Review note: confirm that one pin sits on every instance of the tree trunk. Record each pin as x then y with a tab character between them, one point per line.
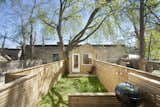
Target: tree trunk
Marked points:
23	52
141	37
31	42
23	57
149	47
60	36
24	48
3	44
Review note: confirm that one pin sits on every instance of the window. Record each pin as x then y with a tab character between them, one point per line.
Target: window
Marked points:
56	57
87	59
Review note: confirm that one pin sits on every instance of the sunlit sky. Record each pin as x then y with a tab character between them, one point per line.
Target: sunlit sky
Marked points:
9	21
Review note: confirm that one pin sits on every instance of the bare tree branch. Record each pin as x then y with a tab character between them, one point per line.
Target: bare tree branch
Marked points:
48	23
153	13
80	34
91	33
71	15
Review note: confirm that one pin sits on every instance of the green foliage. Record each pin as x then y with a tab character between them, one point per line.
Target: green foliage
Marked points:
32	20
41	13
45	30
101	3
155	43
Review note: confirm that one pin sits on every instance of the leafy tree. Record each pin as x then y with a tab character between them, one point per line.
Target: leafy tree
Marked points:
68	17
153	44
26	21
141	14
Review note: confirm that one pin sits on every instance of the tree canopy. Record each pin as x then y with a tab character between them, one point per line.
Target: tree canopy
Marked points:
75	21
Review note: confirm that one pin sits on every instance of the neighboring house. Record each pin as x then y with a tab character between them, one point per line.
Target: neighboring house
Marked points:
49	53
12	53
81	58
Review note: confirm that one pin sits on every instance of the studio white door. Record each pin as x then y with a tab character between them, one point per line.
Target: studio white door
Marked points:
75	62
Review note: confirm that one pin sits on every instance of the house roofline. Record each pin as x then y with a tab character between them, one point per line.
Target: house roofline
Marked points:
10	49
94	45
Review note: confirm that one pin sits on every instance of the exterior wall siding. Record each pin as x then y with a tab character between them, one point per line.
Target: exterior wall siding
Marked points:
84	68
45	53
110	53
103	53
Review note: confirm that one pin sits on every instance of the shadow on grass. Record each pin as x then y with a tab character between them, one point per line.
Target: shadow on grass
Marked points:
55	99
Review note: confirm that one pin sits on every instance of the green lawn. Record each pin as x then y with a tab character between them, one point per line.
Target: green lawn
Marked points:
57	96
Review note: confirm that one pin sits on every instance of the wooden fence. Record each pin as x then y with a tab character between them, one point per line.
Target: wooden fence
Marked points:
112	74
26	88
93	100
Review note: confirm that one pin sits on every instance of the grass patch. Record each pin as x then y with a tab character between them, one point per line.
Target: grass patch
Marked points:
57	96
